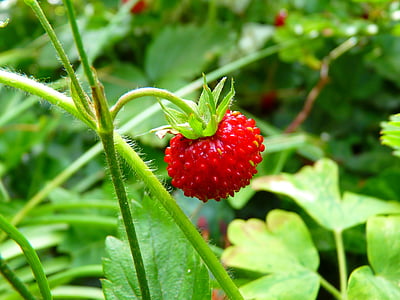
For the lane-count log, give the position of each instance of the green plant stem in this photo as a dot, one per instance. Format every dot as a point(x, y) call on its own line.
point(13, 279)
point(330, 288)
point(107, 140)
point(35, 88)
point(78, 42)
point(161, 194)
point(30, 255)
point(341, 255)
point(82, 101)
point(153, 92)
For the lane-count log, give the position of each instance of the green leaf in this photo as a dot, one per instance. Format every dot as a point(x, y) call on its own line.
point(380, 280)
point(174, 269)
point(288, 286)
point(316, 190)
point(184, 51)
point(281, 244)
point(391, 133)
point(364, 285)
point(281, 247)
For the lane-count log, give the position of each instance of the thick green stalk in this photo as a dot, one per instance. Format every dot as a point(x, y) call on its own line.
point(161, 194)
point(30, 255)
point(341, 262)
point(78, 42)
point(116, 177)
point(13, 279)
point(82, 100)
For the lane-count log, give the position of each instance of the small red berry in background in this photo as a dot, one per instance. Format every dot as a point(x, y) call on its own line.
point(269, 101)
point(216, 166)
point(280, 18)
point(139, 6)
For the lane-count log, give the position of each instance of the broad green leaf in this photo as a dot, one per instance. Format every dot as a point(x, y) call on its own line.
point(316, 190)
point(182, 52)
point(282, 244)
point(302, 285)
point(174, 269)
point(381, 279)
point(383, 236)
point(280, 247)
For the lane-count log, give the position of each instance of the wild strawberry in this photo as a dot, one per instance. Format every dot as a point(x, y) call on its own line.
point(216, 166)
point(215, 151)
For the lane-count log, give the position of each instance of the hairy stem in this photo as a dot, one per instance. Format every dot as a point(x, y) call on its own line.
point(116, 177)
point(341, 255)
point(161, 194)
point(78, 42)
point(81, 101)
point(30, 255)
point(13, 279)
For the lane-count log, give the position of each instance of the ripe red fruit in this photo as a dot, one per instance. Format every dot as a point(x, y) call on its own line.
point(217, 166)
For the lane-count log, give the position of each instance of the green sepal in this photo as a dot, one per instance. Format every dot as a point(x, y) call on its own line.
point(225, 103)
point(210, 128)
point(206, 114)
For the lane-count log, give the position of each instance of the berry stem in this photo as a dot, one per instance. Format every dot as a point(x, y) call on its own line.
point(161, 194)
point(107, 140)
point(105, 130)
point(154, 92)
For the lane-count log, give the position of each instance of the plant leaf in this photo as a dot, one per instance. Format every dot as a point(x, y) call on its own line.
point(289, 286)
point(316, 190)
point(281, 247)
point(391, 133)
point(174, 269)
point(381, 279)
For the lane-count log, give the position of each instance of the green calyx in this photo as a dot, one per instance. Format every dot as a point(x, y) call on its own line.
point(202, 119)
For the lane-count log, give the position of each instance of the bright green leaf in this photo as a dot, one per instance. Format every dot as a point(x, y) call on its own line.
point(316, 190)
point(391, 133)
point(383, 236)
point(282, 244)
point(381, 280)
point(302, 285)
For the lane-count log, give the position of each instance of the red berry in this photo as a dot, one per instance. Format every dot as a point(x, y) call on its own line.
point(280, 18)
point(217, 166)
point(139, 6)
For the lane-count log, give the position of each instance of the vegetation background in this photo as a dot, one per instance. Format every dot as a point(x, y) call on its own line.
point(336, 62)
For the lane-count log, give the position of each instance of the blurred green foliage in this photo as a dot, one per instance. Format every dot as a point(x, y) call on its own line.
point(170, 44)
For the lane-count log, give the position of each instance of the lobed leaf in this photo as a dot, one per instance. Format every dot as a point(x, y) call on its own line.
point(315, 189)
point(381, 279)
